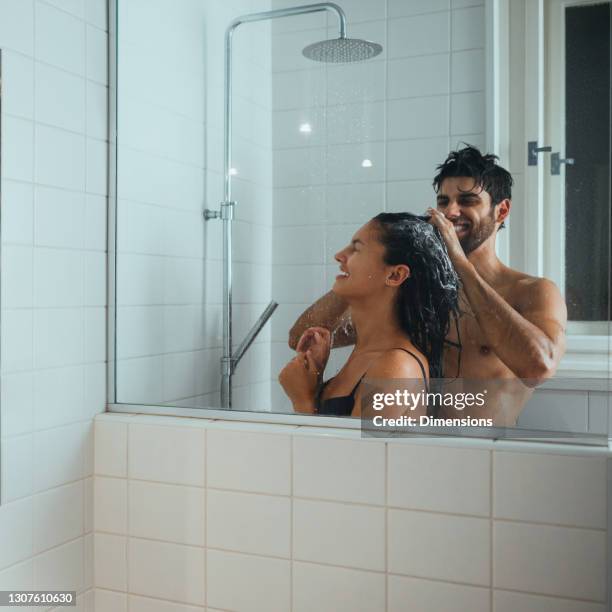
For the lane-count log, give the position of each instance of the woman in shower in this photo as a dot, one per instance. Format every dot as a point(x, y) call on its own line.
point(402, 291)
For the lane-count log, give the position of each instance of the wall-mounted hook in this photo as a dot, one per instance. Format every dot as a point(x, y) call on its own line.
point(533, 150)
point(556, 161)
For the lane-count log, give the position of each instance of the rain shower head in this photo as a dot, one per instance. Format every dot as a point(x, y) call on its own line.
point(342, 50)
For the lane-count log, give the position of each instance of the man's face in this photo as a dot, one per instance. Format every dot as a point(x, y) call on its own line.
point(470, 209)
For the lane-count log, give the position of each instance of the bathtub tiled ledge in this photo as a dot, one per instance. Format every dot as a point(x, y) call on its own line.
point(328, 427)
point(200, 514)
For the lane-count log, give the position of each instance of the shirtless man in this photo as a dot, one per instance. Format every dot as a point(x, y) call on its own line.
point(512, 325)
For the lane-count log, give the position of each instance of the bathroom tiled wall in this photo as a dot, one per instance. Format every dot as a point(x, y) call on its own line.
point(403, 111)
point(195, 515)
point(53, 209)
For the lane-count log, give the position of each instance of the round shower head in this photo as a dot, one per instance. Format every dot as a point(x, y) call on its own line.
point(342, 50)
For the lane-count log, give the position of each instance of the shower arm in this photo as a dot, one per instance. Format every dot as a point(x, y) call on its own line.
point(226, 211)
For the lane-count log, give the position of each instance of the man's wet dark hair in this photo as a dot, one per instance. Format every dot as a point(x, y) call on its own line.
point(485, 171)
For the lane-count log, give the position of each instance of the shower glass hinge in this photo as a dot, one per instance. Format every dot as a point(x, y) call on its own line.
point(556, 161)
point(533, 150)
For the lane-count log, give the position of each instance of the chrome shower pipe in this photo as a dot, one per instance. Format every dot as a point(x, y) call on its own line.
point(226, 212)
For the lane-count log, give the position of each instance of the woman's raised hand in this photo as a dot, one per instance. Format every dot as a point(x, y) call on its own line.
point(300, 380)
point(317, 340)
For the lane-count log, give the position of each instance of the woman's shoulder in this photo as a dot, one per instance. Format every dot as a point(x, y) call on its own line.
point(399, 362)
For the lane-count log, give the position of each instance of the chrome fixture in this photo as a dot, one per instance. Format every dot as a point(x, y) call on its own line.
point(341, 49)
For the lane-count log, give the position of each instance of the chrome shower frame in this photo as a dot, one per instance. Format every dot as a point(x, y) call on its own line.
point(226, 211)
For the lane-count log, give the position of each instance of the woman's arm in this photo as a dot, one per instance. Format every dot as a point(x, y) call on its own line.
point(329, 311)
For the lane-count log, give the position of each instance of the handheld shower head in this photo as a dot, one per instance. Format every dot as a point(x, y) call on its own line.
point(342, 50)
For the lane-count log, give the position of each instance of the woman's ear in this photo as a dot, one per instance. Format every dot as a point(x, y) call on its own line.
point(398, 275)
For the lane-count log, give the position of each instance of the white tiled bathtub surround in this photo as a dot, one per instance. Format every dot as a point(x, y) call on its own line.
point(291, 518)
point(54, 169)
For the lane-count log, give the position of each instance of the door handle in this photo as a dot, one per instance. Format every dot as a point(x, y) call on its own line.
point(533, 150)
point(556, 161)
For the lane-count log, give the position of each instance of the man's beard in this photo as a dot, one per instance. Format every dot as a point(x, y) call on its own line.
point(476, 237)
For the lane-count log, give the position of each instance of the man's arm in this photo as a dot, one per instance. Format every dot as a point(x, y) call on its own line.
point(530, 343)
point(329, 311)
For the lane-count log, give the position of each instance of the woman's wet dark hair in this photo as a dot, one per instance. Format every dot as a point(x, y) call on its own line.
point(427, 300)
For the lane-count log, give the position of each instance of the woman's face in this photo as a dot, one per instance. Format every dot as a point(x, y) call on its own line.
point(362, 268)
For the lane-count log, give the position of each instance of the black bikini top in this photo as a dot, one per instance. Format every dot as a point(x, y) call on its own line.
point(343, 405)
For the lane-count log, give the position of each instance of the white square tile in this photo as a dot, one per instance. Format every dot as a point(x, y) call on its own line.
point(246, 461)
point(166, 571)
point(18, 82)
point(17, 403)
point(401, 8)
point(58, 278)
point(110, 448)
point(438, 546)
point(550, 489)
point(419, 35)
point(166, 454)
point(95, 223)
point(339, 470)
point(410, 196)
point(297, 284)
point(88, 504)
point(59, 456)
point(356, 163)
point(166, 512)
point(244, 582)
point(468, 72)
point(60, 158)
point(146, 604)
point(110, 505)
point(58, 337)
point(59, 218)
point(433, 486)
point(299, 89)
point(58, 397)
point(550, 560)
point(358, 83)
point(97, 13)
point(433, 595)
point(16, 31)
point(17, 467)
point(468, 28)
point(18, 577)
point(17, 149)
point(418, 117)
point(60, 568)
point(335, 533)
point(17, 213)
point(88, 561)
point(468, 113)
point(60, 39)
point(110, 561)
point(95, 335)
point(423, 75)
point(415, 159)
point(97, 111)
point(246, 522)
point(354, 123)
point(58, 516)
point(97, 167)
point(16, 531)
point(94, 268)
point(507, 601)
point(110, 601)
point(299, 167)
point(299, 127)
point(16, 340)
point(17, 277)
point(299, 245)
point(76, 7)
point(336, 589)
point(287, 49)
point(59, 98)
point(354, 203)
